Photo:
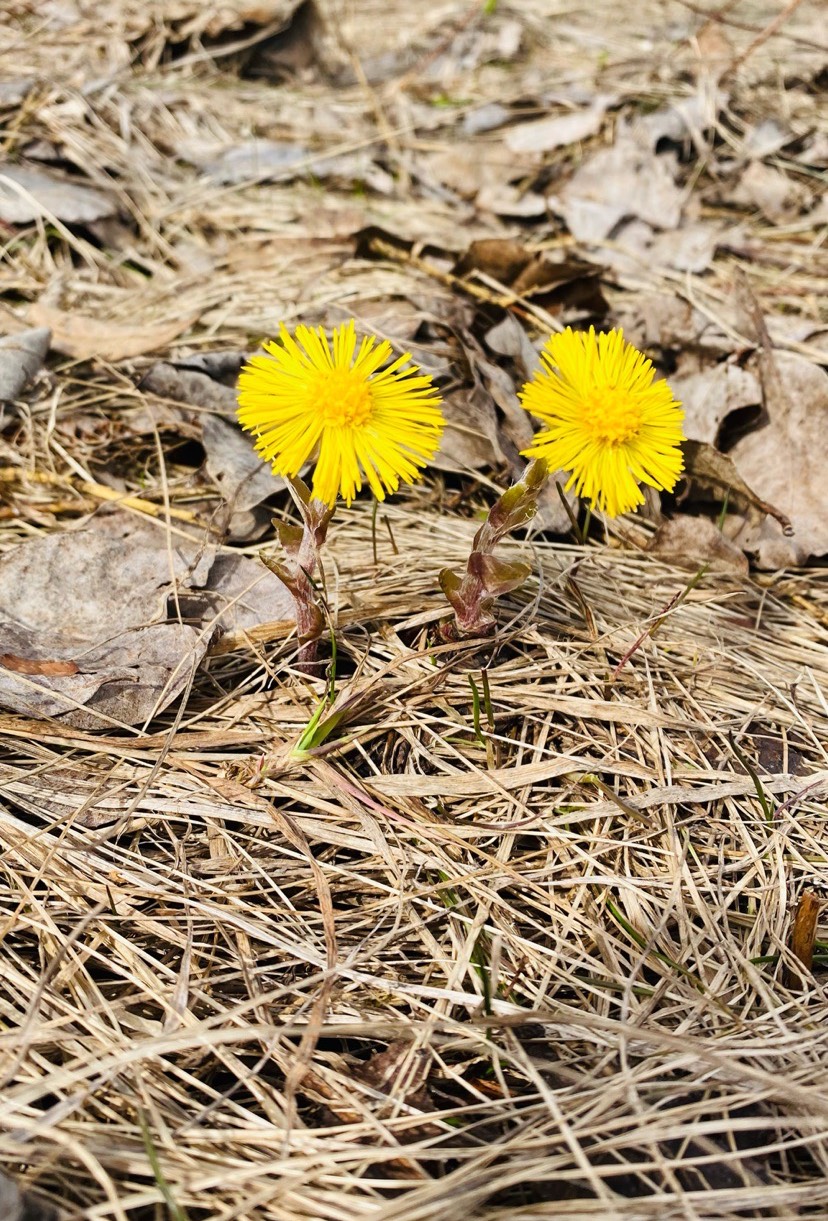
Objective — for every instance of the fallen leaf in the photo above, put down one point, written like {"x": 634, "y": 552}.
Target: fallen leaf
{"x": 557, "y": 131}
{"x": 615, "y": 183}
{"x": 777, "y": 195}
{"x": 656, "y": 319}
{"x": 690, "y": 542}
{"x": 690, "y": 118}
{"x": 691, "y": 247}
{"x": 27, "y": 665}
{"x": 707, "y": 468}
{"x": 786, "y": 461}
{"x": 29, "y": 192}
{"x": 190, "y": 387}
{"x": 710, "y": 395}
{"x": 241, "y": 476}
{"x": 88, "y": 338}
{"x": 239, "y": 593}
{"x": 506, "y": 200}
{"x": 570, "y": 281}
{"x": 470, "y": 441}
{"x": 100, "y": 600}
{"x": 487, "y": 117}
{"x": 12, "y": 93}
{"x": 509, "y": 338}
{"x": 765, "y": 138}
{"x": 473, "y": 170}
{"x": 21, "y": 357}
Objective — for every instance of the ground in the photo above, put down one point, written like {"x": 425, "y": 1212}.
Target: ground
{"x": 534, "y": 931}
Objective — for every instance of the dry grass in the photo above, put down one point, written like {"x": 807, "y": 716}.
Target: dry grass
{"x": 519, "y": 957}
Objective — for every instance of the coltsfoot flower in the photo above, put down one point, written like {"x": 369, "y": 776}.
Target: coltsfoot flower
{"x": 607, "y": 421}
{"x": 310, "y": 397}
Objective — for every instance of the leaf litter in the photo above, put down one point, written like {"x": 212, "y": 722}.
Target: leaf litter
{"x": 521, "y": 938}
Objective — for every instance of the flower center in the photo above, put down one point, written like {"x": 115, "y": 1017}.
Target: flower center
{"x": 611, "y": 415}
{"x": 343, "y": 397}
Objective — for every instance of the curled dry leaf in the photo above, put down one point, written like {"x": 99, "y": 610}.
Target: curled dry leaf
{"x": 777, "y": 196}
{"x": 243, "y": 479}
{"x": 98, "y": 602}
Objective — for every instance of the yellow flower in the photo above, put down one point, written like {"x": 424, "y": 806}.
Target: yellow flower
{"x": 606, "y": 420}
{"x": 310, "y": 397}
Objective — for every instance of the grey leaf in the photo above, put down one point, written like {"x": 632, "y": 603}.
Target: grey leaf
{"x": 21, "y": 357}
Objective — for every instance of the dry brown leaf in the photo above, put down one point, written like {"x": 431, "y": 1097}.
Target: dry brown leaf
{"x": 710, "y": 395}
{"x": 509, "y": 338}
{"x": 98, "y": 600}
{"x": 88, "y": 338}
{"x": 786, "y": 460}
{"x": 708, "y": 468}
{"x": 243, "y": 479}
{"x": 656, "y": 319}
{"x": 570, "y": 281}
{"x": 689, "y": 542}
{"x": 190, "y": 387}
{"x": 470, "y": 441}
{"x": 683, "y": 119}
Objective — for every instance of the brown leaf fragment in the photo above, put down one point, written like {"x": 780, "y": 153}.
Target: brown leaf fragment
{"x": 400, "y": 1071}
{"x": 88, "y": 338}
{"x": 234, "y": 466}
{"x": 803, "y": 934}
{"x": 189, "y": 394}
{"x": 28, "y": 665}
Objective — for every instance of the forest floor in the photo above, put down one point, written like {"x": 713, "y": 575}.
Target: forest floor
{"x": 536, "y": 932}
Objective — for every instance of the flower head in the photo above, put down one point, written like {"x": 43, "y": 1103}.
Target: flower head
{"x": 310, "y": 396}
{"x": 606, "y": 420}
